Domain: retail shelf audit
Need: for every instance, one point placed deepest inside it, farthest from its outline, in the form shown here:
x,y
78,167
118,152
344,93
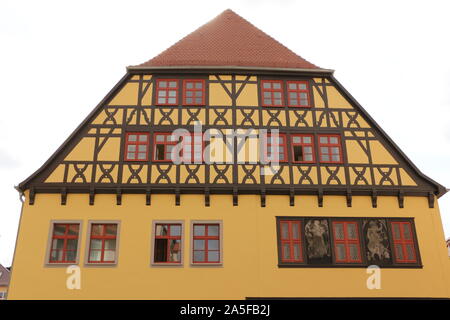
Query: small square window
x,y
206,243
194,88
166,91
272,93
167,247
64,243
136,146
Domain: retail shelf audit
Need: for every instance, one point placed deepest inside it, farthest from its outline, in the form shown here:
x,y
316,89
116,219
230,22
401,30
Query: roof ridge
x,y
202,47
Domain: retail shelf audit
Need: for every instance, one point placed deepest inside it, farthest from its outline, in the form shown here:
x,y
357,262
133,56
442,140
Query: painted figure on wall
x,y
318,239
377,241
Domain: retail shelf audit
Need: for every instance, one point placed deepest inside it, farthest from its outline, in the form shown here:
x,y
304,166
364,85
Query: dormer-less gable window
x,y
298,94
330,150
194,92
272,93
136,146
167,92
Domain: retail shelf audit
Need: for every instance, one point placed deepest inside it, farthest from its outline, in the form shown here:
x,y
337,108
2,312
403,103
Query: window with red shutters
x,y
194,92
402,236
272,93
298,94
206,243
167,248
291,243
330,149
276,148
136,146
103,242
347,246
167,92
302,148
64,244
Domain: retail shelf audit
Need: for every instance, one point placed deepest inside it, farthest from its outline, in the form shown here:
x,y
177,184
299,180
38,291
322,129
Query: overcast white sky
x,y
58,59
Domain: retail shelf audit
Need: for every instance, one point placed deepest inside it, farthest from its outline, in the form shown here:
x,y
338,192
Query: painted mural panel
x,y
317,234
376,238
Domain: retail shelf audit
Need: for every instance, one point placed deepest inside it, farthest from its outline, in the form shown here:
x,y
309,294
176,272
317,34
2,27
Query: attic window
x,y
136,146
194,92
330,149
302,148
298,94
164,144
167,92
272,93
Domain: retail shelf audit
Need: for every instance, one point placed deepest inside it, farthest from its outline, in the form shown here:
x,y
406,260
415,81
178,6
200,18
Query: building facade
x,y
4,282
228,167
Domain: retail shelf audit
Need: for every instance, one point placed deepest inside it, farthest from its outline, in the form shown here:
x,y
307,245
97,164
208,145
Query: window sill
x,y
60,264
166,265
100,264
218,264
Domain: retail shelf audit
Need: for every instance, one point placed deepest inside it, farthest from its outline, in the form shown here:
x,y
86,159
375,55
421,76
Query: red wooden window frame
x,y
103,237
206,237
196,140
271,92
194,91
65,237
169,237
347,241
290,241
329,146
283,145
136,145
164,92
298,92
167,142
403,241
303,144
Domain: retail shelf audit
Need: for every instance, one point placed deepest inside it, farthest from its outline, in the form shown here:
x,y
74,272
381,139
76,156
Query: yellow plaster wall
x,y
83,151
250,250
127,95
380,155
248,95
218,96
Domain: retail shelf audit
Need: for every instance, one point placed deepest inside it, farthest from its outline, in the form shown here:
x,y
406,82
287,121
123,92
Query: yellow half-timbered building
x,y
228,167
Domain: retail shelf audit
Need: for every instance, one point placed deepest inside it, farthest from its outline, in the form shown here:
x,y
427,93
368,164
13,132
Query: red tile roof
x,y
229,40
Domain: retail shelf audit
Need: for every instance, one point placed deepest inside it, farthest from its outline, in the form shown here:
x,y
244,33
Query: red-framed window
x,y
64,244
402,236
276,147
193,146
194,92
167,92
103,242
164,142
272,93
167,243
330,149
291,243
206,243
347,246
302,148
136,146
298,94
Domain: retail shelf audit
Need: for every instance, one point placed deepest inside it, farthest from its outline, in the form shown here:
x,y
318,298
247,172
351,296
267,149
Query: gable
x,y
92,159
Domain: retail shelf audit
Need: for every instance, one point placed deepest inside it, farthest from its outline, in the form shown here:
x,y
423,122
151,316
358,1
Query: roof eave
x,y
228,67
